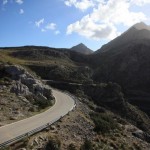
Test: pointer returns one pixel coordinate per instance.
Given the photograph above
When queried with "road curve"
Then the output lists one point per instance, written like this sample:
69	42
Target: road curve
64	103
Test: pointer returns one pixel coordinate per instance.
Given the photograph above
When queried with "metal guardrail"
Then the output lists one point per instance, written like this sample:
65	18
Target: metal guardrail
18	138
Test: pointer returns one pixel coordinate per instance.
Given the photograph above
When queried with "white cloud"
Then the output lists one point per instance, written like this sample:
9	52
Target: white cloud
19	1
80	4
39	23
140	2
5	2
50	26
117	12
88	28
57	32
43	30
21	11
106	16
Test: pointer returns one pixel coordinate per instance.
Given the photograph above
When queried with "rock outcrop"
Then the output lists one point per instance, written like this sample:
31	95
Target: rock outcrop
142	135
19	88
26	84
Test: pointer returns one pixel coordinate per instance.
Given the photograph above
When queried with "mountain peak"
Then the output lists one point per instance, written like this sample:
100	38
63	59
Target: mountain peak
81	44
81	48
141	26
136	34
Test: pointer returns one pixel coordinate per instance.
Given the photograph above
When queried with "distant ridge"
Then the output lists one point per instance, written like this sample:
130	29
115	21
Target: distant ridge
81	48
139	31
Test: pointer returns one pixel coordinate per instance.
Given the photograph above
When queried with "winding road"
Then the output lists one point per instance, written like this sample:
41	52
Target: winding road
64	103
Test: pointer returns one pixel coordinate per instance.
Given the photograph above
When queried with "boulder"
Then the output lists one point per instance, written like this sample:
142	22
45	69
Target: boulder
142	135
139	134
24	99
52	127
2	87
19	89
47	92
36	141
13	117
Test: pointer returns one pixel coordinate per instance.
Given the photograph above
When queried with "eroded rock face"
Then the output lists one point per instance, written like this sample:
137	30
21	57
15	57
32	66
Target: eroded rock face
26	84
40	97
20	89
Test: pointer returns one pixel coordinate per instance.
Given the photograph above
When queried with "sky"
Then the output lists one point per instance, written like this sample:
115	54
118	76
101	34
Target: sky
66	23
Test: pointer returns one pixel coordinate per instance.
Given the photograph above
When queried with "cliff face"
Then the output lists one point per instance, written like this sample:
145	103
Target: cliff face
26	84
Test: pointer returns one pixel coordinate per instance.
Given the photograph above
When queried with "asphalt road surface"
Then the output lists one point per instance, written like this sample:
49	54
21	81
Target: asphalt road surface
63	105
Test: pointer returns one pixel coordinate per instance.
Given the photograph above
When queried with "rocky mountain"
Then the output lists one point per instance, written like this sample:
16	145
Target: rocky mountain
125	60
81	48
137	33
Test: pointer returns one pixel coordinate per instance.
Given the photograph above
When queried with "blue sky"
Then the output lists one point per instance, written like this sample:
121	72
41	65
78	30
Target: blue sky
65	23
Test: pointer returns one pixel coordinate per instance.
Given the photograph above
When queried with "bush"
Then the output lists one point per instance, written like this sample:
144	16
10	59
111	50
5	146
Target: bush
53	144
43	103
87	145
103	123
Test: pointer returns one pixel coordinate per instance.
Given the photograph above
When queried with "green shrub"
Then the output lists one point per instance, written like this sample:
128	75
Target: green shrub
103	123
43	103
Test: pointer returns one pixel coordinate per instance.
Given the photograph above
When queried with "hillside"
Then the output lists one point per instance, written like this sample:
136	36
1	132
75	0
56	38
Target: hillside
125	60
77	131
129	67
81	48
49	63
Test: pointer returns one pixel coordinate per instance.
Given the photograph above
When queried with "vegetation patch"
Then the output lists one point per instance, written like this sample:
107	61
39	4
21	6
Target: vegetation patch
54	144
87	145
43	103
104	123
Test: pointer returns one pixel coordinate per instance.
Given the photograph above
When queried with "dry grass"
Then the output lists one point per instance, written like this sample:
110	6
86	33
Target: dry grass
5	56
